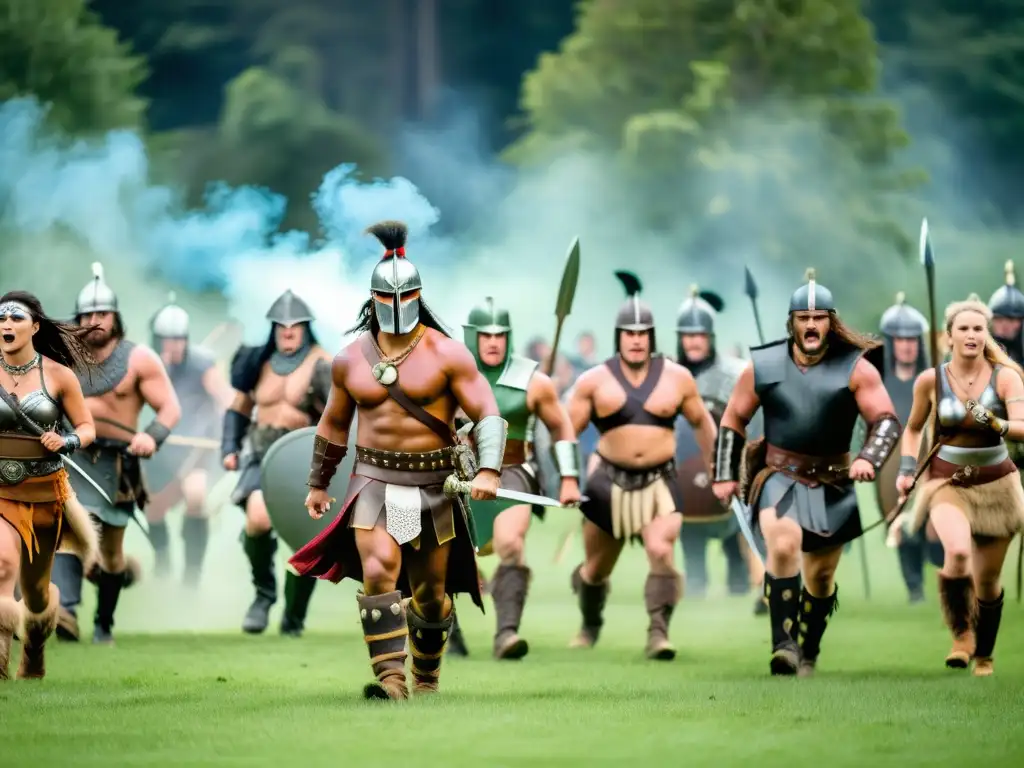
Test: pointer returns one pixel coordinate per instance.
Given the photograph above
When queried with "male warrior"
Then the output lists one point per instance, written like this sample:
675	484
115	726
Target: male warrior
129	377
903	332
182	473
522	392
704	517
811	387
397	530
633	399
287	381
1007	305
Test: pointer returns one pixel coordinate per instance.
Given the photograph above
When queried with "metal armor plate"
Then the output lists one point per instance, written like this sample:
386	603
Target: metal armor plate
283	474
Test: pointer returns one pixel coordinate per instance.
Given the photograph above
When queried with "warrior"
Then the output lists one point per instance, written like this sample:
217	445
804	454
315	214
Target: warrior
1007	308
287	381
522	393
398	531
633	399
183	473
128	378
811	387
38	391
971	490
903	331
704	517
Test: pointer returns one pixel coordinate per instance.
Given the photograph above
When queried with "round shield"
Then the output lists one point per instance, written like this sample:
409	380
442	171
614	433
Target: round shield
283	474
699	502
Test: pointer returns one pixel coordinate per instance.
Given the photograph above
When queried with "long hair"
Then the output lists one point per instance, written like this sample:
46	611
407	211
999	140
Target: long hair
367	320
842	332
59	341
994	354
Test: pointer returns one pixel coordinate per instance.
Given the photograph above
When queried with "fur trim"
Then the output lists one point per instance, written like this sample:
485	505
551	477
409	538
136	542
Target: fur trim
11	617
80	535
132	571
45	621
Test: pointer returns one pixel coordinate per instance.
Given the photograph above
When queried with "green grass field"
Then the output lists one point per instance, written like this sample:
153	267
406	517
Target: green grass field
173	698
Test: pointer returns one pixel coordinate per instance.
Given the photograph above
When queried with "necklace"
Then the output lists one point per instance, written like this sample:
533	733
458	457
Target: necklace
386	371
970	381
20	370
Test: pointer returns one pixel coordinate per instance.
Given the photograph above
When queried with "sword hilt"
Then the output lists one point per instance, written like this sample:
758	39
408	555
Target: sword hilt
454	487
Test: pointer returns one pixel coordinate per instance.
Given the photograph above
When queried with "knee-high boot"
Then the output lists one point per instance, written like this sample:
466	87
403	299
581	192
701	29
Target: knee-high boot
661	596
959	609
385	631
592	599
990	613
783	610
261	550
812	623
298	590
67	574
509	589
427	641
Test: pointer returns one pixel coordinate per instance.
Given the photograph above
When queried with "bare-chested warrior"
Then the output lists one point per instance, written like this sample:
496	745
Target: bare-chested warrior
397	531
128	377
287	381
183	473
633	399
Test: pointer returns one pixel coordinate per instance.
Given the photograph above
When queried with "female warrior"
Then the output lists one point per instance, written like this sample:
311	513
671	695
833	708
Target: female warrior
971	490
38	391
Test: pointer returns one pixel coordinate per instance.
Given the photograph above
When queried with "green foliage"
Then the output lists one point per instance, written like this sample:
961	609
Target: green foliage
751	124
57	51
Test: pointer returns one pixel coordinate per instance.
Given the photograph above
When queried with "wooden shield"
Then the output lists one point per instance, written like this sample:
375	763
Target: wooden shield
699	503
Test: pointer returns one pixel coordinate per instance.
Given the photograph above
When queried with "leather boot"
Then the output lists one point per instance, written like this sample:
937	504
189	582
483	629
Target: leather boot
509	588
38	628
783	611
986	630
10	625
161	541
108	591
427	641
195	534
592	599
385	632
67	574
298	590
959	609
457	641
661	595
812	623
261	550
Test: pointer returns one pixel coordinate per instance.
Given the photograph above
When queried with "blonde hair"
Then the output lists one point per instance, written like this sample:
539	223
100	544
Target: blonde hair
994	354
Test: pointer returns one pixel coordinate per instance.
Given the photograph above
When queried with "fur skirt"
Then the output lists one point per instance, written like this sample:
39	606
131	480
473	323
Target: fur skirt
994	509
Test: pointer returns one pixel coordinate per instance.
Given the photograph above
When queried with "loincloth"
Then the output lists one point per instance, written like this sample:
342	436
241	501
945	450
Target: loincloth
398	497
622	501
260	439
35	503
517	477
813	491
989	495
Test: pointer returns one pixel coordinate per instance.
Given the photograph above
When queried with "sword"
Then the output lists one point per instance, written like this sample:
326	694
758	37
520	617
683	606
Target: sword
742	514
82	473
453	487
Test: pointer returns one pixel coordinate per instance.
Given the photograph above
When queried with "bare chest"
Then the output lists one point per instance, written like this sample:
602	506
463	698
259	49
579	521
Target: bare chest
419	376
274	389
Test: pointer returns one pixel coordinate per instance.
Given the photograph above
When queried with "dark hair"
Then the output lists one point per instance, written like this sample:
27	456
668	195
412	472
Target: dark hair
844	333
368	320
59	341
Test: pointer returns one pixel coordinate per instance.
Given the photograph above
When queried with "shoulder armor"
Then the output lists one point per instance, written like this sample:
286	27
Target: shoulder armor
245	368
518	372
769	363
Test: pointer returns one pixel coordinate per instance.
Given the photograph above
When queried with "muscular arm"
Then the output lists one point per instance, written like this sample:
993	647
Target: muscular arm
156	389
336	420
471	390
1010	388
218	388
542	399
743	403
924	386
73	402
878	413
581	403
693	410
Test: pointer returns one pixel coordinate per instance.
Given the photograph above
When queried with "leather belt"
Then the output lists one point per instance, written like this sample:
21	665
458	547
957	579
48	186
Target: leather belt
406	461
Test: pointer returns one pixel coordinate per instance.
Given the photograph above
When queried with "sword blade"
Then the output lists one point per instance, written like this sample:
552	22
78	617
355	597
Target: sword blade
742	513
82	473
529	498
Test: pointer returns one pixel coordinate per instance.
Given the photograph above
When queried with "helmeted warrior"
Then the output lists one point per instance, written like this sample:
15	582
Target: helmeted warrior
287	381
704	516
904	330
811	386
522	393
633	494
404	529
128	378
182	473
1007	307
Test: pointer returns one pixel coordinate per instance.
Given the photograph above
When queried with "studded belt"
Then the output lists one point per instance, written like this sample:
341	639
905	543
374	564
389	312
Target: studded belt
811	470
405	461
13	471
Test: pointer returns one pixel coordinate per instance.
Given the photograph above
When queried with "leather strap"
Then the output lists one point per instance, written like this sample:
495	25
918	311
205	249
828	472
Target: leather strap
438	427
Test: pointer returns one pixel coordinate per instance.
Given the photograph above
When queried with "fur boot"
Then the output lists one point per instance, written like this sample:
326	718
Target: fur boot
80	534
960	610
661	596
38	628
10	625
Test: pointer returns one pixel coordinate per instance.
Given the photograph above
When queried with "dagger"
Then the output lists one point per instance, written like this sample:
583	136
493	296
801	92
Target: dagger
453	487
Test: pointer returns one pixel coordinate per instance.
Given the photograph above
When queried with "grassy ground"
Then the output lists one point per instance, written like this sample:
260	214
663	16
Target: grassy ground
882	696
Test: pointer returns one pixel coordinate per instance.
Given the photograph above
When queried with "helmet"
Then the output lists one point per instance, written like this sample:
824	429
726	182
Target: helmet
1008	301
812	296
96	296
902	321
288	310
696	314
487	318
394	277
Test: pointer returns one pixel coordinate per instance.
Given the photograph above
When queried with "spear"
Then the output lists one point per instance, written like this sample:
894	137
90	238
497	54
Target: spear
750	288
566	294
928	262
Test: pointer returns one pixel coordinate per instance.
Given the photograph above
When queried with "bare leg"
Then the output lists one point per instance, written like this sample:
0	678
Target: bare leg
10	611
817	603
590	581
988	567
783	540
430	614
260	547
956	581
41	601
382	614
511	581
664	586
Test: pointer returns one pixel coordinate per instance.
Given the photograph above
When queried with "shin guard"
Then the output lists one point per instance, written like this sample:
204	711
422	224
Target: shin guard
385	632
427	641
